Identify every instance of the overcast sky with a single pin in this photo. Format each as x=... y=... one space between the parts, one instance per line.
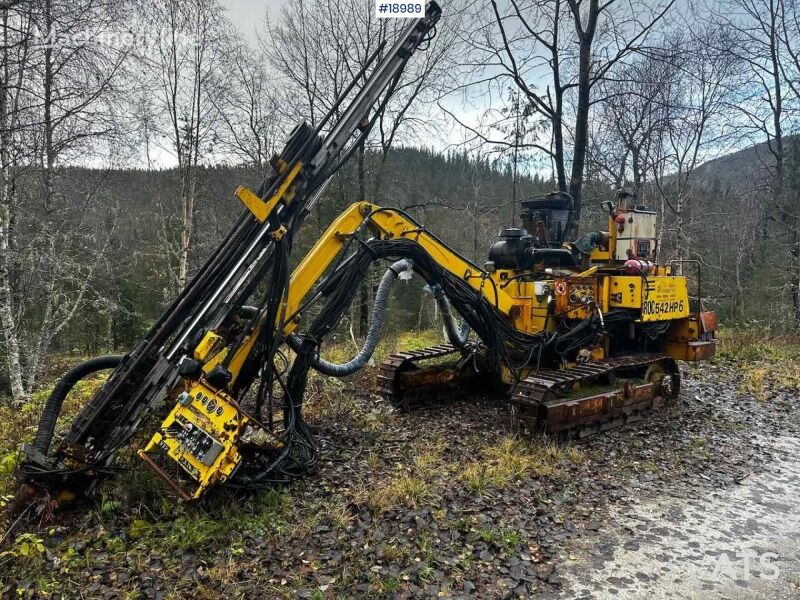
x=247 y=15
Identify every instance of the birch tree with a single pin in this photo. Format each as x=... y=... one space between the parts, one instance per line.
x=182 y=70
x=769 y=45
x=790 y=43
x=58 y=81
x=16 y=32
x=250 y=123
x=630 y=121
x=696 y=122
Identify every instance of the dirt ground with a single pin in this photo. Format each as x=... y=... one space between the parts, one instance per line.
x=443 y=502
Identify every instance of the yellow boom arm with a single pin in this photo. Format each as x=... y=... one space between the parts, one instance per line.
x=386 y=223
x=381 y=222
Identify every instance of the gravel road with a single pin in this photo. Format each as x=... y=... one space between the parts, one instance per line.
x=728 y=530
x=741 y=541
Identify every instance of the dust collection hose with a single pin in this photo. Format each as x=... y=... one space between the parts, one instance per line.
x=457 y=338
x=373 y=333
x=47 y=424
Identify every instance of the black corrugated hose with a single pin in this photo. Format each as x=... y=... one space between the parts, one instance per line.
x=47 y=424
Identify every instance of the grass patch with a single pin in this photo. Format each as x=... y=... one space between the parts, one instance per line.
x=427 y=459
x=766 y=362
x=336 y=511
x=511 y=460
x=328 y=400
x=337 y=400
x=417 y=339
x=755 y=381
x=198 y=527
x=755 y=345
x=505 y=539
x=413 y=486
x=406 y=490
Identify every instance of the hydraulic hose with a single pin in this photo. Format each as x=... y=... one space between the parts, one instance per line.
x=457 y=337
x=373 y=333
x=47 y=424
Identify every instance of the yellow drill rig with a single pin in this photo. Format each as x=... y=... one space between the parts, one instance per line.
x=579 y=336
x=599 y=323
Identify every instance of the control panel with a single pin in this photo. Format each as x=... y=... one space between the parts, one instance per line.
x=576 y=296
x=203 y=434
x=194 y=440
x=581 y=293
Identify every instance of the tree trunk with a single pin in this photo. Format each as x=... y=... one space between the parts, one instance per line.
x=187 y=220
x=795 y=254
x=558 y=143
x=558 y=109
x=680 y=235
x=39 y=352
x=7 y=323
x=777 y=114
x=738 y=302
x=475 y=226
x=661 y=223
x=10 y=337
x=582 y=115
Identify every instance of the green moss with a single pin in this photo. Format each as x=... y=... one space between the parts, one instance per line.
x=224 y=521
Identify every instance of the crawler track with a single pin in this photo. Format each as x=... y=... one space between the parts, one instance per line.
x=572 y=402
x=408 y=385
x=632 y=386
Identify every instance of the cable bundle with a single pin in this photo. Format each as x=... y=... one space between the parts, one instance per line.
x=506 y=345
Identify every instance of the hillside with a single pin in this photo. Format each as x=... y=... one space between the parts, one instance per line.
x=121 y=228
x=744 y=169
